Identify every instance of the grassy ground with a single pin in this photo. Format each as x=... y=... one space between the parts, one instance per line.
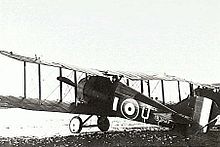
x=118 y=138
x=52 y=130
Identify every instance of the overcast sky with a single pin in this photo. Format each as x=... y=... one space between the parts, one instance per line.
x=178 y=37
x=173 y=36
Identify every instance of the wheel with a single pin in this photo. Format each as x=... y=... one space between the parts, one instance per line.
x=75 y=124
x=103 y=123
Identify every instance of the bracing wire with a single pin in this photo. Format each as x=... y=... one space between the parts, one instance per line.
x=155 y=87
x=67 y=91
x=71 y=94
x=32 y=79
x=70 y=75
x=52 y=92
x=80 y=76
x=124 y=80
x=68 y=88
x=135 y=84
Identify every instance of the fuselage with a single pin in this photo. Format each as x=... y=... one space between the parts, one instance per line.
x=101 y=96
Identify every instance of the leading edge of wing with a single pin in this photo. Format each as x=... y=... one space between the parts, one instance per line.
x=154 y=76
x=37 y=60
x=126 y=74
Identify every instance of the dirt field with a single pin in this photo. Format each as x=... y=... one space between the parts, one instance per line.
x=117 y=138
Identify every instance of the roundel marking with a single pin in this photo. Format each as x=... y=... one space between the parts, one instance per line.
x=130 y=108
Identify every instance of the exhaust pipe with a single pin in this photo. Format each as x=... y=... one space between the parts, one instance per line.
x=66 y=80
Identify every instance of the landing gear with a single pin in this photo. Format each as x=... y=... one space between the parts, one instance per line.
x=75 y=124
x=103 y=123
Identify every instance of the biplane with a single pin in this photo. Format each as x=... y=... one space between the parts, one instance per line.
x=102 y=94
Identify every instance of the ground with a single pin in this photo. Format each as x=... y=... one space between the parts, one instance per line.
x=136 y=137
x=48 y=129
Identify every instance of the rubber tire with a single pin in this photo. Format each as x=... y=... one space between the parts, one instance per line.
x=79 y=128
x=103 y=123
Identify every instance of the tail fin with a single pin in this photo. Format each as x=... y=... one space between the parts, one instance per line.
x=210 y=100
x=209 y=93
x=201 y=109
x=202 y=112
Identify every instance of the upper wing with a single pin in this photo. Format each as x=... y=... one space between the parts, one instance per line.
x=129 y=75
x=123 y=93
x=154 y=76
x=37 y=60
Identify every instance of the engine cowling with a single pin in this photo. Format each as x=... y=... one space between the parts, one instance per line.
x=95 y=89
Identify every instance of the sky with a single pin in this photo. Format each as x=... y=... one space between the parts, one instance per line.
x=176 y=37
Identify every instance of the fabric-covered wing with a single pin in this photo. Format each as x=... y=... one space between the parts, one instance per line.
x=33 y=104
x=126 y=74
x=37 y=60
x=154 y=76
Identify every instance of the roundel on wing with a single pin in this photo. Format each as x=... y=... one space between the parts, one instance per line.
x=130 y=108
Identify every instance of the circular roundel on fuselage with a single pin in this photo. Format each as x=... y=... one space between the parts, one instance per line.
x=130 y=108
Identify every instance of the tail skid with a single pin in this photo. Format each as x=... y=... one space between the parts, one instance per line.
x=208 y=124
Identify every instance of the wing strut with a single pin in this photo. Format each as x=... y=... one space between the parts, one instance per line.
x=162 y=86
x=39 y=82
x=148 y=86
x=191 y=89
x=178 y=84
x=61 y=86
x=86 y=75
x=127 y=82
x=75 y=80
x=25 y=81
x=142 y=87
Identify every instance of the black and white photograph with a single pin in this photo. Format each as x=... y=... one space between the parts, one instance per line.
x=109 y=73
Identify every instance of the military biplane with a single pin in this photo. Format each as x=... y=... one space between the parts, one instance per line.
x=101 y=93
